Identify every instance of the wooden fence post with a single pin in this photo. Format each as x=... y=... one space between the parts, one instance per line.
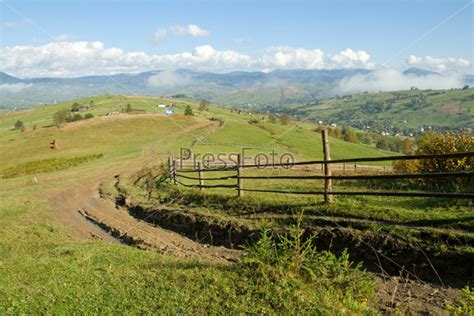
x=169 y=166
x=344 y=168
x=173 y=170
x=355 y=167
x=327 y=167
x=201 y=178
x=240 y=181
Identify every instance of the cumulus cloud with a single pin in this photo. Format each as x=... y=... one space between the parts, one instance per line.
x=349 y=58
x=392 y=80
x=189 y=30
x=438 y=64
x=168 y=78
x=287 y=57
x=64 y=59
x=192 y=30
x=15 y=87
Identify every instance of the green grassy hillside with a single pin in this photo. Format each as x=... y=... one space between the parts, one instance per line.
x=46 y=268
x=398 y=112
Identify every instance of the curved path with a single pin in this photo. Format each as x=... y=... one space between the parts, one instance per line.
x=81 y=208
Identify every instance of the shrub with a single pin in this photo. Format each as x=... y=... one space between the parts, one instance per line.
x=285 y=119
x=188 y=110
x=88 y=116
x=293 y=263
x=74 y=118
x=218 y=119
x=204 y=105
x=434 y=143
x=19 y=124
x=272 y=118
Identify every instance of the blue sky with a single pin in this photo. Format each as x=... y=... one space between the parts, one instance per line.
x=388 y=31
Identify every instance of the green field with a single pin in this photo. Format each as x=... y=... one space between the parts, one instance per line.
x=46 y=266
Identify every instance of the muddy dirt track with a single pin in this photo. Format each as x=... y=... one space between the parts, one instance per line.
x=81 y=208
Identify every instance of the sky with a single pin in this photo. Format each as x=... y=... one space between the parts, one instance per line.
x=76 y=38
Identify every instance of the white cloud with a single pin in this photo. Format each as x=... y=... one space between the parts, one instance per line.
x=15 y=87
x=63 y=59
x=63 y=38
x=188 y=30
x=160 y=35
x=179 y=30
x=392 y=80
x=438 y=64
x=287 y=57
x=168 y=78
x=351 y=59
x=66 y=59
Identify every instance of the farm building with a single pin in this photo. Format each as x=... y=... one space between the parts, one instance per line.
x=161 y=105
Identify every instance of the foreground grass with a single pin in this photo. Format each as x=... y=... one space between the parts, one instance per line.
x=44 y=270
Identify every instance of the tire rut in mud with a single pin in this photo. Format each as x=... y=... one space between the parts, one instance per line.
x=379 y=253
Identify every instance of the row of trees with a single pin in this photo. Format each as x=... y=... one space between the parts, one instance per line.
x=65 y=116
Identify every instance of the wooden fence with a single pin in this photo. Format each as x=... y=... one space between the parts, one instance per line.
x=327 y=165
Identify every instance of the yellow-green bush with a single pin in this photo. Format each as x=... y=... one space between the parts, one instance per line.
x=436 y=143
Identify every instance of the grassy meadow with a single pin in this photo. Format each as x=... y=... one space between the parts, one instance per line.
x=46 y=268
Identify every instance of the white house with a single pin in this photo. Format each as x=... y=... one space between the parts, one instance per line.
x=162 y=106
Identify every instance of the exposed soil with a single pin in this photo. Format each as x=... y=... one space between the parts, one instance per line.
x=81 y=208
x=379 y=252
x=404 y=296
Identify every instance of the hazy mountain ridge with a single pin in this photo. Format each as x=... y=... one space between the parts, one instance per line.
x=274 y=88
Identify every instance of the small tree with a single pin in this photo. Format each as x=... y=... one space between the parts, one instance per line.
x=285 y=119
x=408 y=146
x=204 y=105
x=75 y=107
x=188 y=110
x=272 y=118
x=60 y=117
x=349 y=135
x=19 y=124
x=128 y=109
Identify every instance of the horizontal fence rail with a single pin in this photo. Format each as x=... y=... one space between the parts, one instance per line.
x=326 y=168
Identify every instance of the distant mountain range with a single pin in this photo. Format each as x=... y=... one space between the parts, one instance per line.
x=234 y=88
